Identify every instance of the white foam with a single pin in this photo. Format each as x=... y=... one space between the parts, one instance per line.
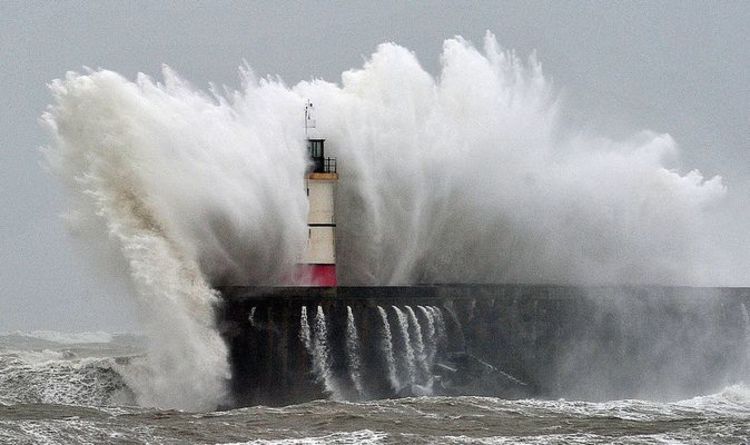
x=733 y=401
x=341 y=438
x=48 y=377
x=73 y=431
x=565 y=439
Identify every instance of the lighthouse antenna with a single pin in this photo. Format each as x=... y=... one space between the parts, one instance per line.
x=309 y=121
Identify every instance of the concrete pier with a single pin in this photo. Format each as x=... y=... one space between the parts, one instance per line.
x=500 y=340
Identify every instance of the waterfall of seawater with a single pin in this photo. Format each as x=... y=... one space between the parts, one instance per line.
x=322 y=355
x=458 y=328
x=352 y=352
x=387 y=346
x=409 y=360
x=440 y=332
x=420 y=355
x=430 y=337
x=421 y=340
x=317 y=347
x=251 y=318
x=304 y=331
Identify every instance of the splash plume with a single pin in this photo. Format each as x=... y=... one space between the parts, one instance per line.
x=459 y=178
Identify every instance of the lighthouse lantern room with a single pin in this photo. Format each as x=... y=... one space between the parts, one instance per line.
x=318 y=264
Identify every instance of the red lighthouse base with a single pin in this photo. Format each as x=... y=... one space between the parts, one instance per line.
x=314 y=275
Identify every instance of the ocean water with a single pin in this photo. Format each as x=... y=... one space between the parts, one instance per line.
x=78 y=389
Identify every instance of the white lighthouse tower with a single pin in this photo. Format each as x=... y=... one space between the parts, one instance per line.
x=318 y=264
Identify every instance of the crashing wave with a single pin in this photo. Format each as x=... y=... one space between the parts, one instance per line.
x=51 y=377
x=461 y=177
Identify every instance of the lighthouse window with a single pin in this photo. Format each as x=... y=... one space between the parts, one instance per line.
x=316 y=148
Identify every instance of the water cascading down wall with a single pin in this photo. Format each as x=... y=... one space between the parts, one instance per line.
x=294 y=344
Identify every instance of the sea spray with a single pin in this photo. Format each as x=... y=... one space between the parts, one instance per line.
x=481 y=176
x=352 y=353
x=146 y=167
x=194 y=190
x=187 y=365
x=409 y=360
x=485 y=189
x=387 y=348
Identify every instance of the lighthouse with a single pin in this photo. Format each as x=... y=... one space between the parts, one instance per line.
x=318 y=264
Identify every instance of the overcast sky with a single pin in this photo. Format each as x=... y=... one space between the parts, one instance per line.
x=677 y=67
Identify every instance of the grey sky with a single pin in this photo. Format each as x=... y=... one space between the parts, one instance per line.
x=678 y=67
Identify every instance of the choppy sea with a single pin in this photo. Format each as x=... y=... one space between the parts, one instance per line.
x=72 y=389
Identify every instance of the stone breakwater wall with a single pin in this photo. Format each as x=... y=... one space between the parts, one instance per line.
x=292 y=344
